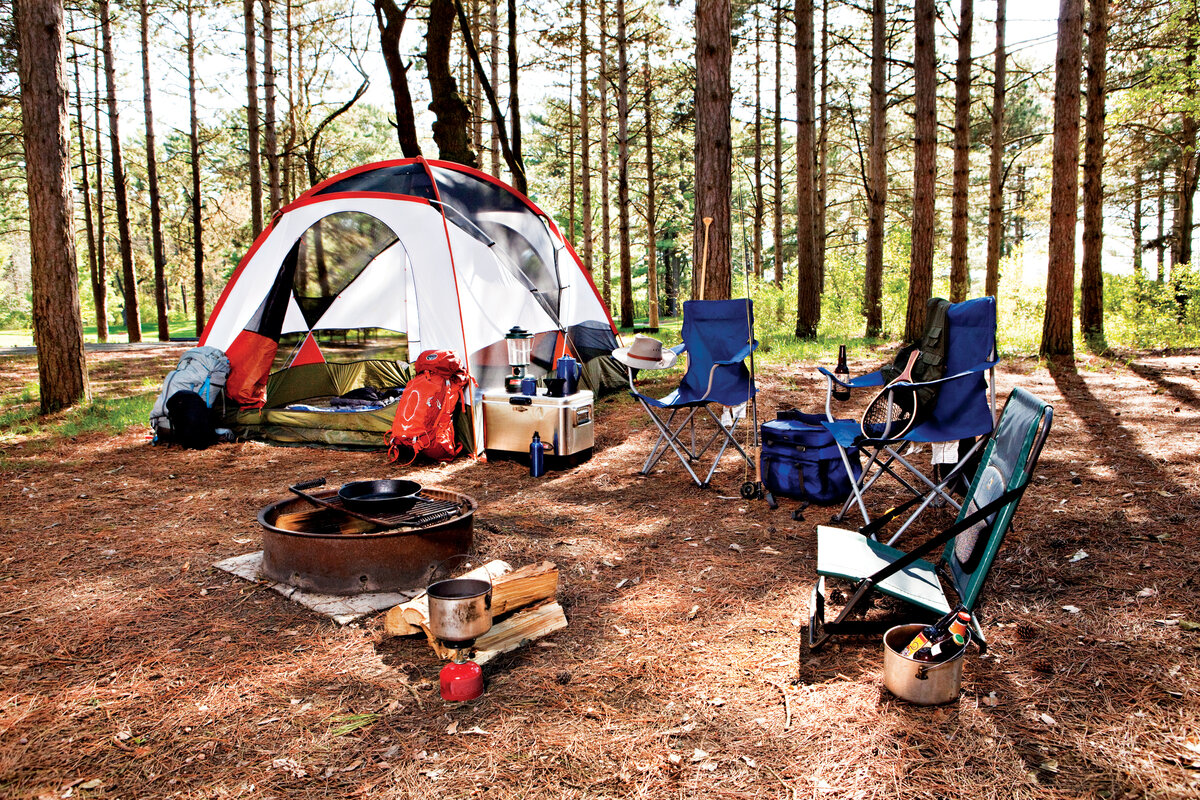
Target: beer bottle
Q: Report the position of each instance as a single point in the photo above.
(950, 644)
(842, 373)
(931, 633)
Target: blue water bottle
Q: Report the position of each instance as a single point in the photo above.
(537, 456)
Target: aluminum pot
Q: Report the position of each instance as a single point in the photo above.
(460, 609)
(917, 681)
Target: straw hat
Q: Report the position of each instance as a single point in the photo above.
(646, 352)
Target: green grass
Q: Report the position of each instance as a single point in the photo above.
(179, 329)
(107, 415)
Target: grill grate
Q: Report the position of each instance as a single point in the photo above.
(427, 511)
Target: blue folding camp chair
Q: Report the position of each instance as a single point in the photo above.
(969, 546)
(717, 338)
(965, 409)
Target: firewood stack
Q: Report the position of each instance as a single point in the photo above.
(523, 609)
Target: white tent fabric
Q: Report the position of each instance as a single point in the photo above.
(444, 284)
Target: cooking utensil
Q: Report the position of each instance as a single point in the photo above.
(380, 495)
(916, 681)
(298, 489)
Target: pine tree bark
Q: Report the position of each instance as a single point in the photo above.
(198, 306)
(133, 322)
(996, 164)
(651, 210)
(1091, 297)
(476, 88)
(390, 19)
(877, 179)
(605, 221)
(758, 147)
(451, 112)
(960, 272)
(808, 271)
(571, 173)
(1188, 171)
(494, 50)
(101, 238)
(514, 102)
(777, 181)
(585, 143)
(1160, 241)
(270, 138)
(1139, 272)
(714, 148)
(1057, 338)
(156, 236)
(289, 148)
(623, 168)
(252, 123)
(57, 327)
(823, 149)
(920, 274)
(85, 188)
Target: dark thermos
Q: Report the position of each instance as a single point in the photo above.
(537, 456)
(842, 373)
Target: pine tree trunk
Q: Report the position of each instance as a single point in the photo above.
(452, 116)
(777, 183)
(1139, 272)
(289, 148)
(101, 287)
(623, 168)
(194, 154)
(651, 211)
(606, 252)
(1162, 221)
(57, 327)
(390, 19)
(514, 103)
(571, 174)
(156, 237)
(877, 179)
(252, 126)
(1057, 338)
(960, 272)
(494, 26)
(823, 147)
(808, 271)
(920, 275)
(1091, 298)
(270, 139)
(85, 188)
(585, 143)
(758, 148)
(476, 87)
(996, 165)
(714, 148)
(133, 323)
(1188, 173)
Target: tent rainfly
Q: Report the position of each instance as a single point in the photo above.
(441, 253)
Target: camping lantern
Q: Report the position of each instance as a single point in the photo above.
(520, 345)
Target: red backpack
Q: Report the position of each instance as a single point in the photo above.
(424, 420)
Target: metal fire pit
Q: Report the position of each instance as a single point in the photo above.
(324, 550)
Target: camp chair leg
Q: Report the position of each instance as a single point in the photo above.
(977, 634)
(816, 616)
(666, 434)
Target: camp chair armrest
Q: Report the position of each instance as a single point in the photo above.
(982, 366)
(861, 382)
(679, 349)
(739, 356)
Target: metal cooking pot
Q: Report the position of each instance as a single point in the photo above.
(915, 681)
(460, 609)
(381, 495)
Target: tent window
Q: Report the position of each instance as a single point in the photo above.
(331, 254)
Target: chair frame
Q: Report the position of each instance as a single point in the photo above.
(863, 587)
(670, 432)
(886, 452)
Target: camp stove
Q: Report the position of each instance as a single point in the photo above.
(460, 611)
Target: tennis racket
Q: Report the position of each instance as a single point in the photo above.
(894, 410)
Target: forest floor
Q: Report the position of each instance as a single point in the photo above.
(130, 668)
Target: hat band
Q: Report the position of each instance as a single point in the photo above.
(647, 359)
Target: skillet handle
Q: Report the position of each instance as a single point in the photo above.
(314, 483)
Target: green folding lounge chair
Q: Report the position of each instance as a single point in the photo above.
(968, 547)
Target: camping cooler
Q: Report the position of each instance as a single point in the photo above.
(565, 425)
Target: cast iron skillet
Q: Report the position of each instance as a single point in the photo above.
(380, 495)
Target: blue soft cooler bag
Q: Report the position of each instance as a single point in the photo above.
(801, 460)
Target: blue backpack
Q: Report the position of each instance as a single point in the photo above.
(801, 460)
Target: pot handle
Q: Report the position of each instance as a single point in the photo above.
(433, 570)
(922, 673)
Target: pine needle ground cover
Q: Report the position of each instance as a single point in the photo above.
(130, 668)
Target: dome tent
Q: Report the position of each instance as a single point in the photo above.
(439, 253)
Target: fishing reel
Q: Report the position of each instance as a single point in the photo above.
(755, 490)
